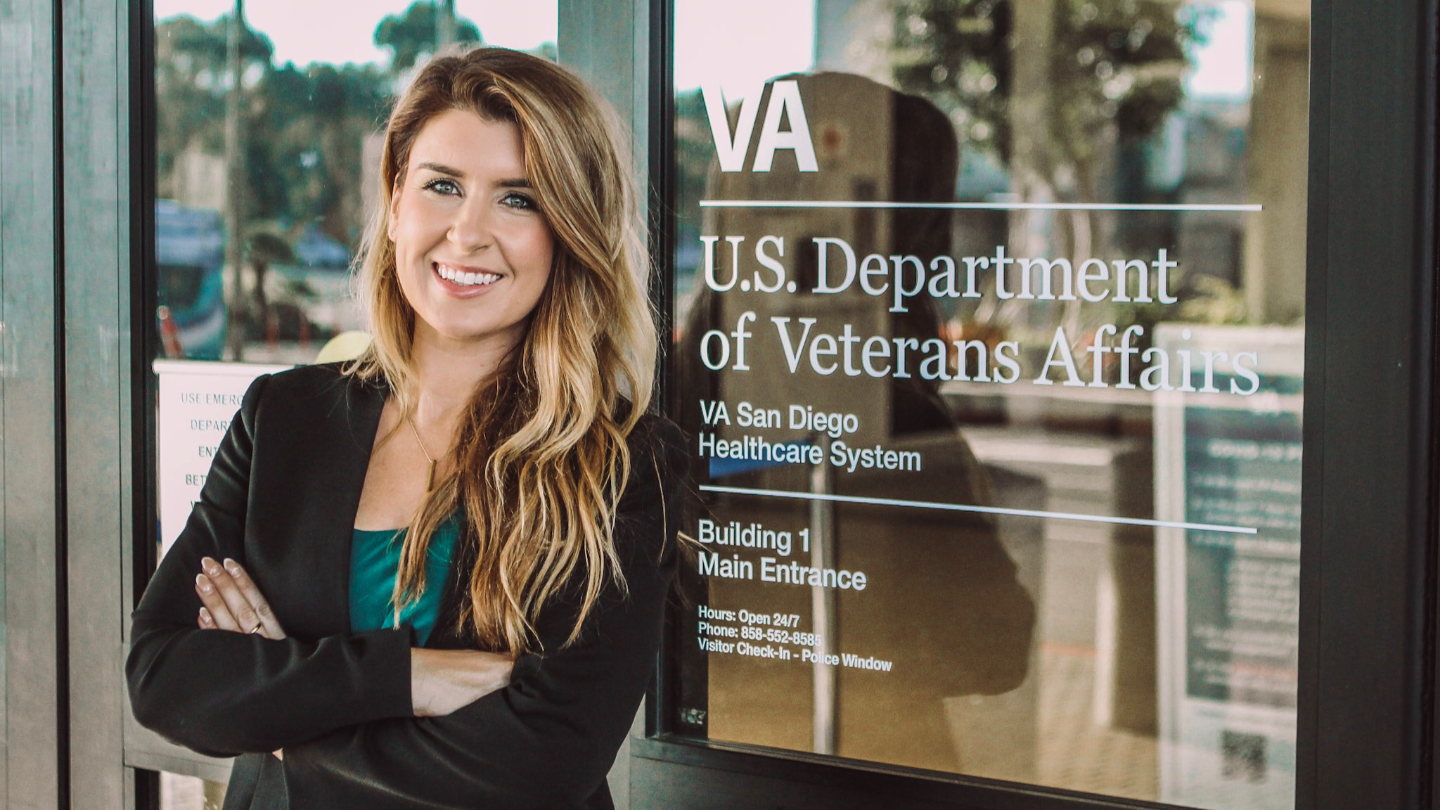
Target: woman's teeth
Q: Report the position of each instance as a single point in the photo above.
(464, 278)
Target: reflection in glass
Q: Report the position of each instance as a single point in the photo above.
(1076, 352)
(266, 137)
(261, 156)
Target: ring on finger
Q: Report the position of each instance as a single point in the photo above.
(256, 629)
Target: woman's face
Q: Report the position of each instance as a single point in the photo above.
(472, 249)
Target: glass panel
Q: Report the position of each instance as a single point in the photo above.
(258, 270)
(989, 339)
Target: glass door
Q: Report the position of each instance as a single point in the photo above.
(990, 342)
(267, 145)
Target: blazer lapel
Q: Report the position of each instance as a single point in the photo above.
(365, 404)
(312, 450)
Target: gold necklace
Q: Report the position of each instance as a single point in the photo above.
(429, 475)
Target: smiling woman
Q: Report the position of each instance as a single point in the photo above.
(451, 555)
(477, 251)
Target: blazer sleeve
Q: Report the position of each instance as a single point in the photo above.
(223, 693)
(548, 739)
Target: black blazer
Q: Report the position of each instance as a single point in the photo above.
(281, 499)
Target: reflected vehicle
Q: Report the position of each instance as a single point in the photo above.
(189, 252)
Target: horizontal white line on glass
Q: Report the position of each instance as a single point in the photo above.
(988, 510)
(978, 206)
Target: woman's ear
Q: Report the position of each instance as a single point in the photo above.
(394, 209)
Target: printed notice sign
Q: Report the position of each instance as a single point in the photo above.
(196, 403)
(1229, 604)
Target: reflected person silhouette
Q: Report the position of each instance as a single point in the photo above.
(943, 612)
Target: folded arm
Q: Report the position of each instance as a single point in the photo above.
(228, 693)
(548, 739)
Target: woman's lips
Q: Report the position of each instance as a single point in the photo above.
(463, 282)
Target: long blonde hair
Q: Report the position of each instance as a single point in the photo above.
(541, 452)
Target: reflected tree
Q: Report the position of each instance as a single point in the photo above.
(956, 53)
(190, 86)
(420, 31)
(1110, 62)
(1049, 87)
(303, 156)
(314, 122)
(305, 126)
(305, 131)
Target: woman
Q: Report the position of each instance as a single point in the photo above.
(435, 577)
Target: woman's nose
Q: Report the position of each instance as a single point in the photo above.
(471, 229)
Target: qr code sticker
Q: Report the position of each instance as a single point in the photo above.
(1242, 756)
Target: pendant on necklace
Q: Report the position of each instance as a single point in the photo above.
(429, 474)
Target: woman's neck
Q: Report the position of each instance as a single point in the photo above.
(447, 373)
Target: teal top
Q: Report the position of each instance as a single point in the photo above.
(374, 562)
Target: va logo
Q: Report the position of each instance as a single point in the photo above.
(731, 148)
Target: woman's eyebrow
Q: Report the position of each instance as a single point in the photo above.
(441, 168)
(506, 183)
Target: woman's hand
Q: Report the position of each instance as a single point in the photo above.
(231, 601)
(442, 681)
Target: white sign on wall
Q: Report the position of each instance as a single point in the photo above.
(197, 400)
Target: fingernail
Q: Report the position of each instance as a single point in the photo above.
(233, 567)
(203, 583)
(210, 566)
(205, 616)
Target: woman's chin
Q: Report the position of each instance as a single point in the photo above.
(462, 333)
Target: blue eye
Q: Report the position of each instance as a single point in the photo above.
(520, 201)
(442, 185)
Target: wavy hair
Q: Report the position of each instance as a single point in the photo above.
(541, 454)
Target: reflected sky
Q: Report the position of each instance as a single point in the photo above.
(1223, 64)
(722, 40)
(741, 43)
(314, 31)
